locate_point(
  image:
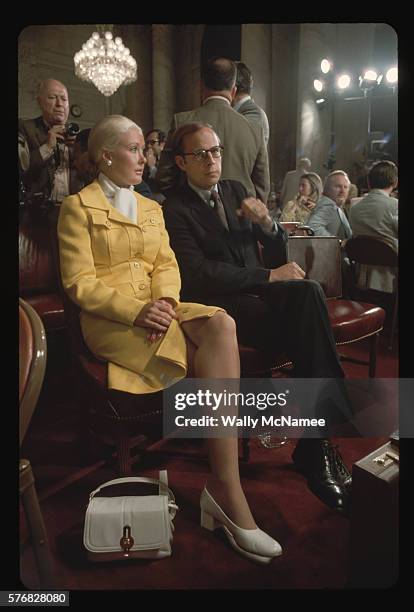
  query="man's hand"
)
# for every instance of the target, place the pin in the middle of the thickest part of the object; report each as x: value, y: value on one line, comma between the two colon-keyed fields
x: 290, y: 271
x: 310, y: 204
x: 157, y: 315
x: 57, y: 132
x: 257, y: 212
x: 151, y: 158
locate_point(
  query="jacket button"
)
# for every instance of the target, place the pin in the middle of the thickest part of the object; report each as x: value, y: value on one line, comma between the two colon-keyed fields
x: 108, y: 224
x: 152, y: 220
x: 141, y: 286
x: 137, y: 264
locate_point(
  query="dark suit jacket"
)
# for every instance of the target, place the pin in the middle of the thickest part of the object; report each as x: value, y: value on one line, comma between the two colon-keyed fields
x: 245, y: 155
x: 212, y: 260
x: 144, y: 189
x: 39, y: 176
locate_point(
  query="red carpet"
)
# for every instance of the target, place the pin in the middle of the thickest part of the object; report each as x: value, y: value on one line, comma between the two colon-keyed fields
x: 315, y: 539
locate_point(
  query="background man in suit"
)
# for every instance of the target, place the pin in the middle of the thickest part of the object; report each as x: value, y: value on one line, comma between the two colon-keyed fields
x: 214, y: 226
x: 328, y: 218
x: 376, y: 215
x: 154, y: 144
x: 48, y: 176
x: 245, y: 156
x: 243, y: 102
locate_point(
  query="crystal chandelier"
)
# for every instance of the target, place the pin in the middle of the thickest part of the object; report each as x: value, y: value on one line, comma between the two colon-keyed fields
x: 105, y: 63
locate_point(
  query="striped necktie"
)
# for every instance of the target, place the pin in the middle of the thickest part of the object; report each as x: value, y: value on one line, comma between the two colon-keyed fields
x: 219, y: 208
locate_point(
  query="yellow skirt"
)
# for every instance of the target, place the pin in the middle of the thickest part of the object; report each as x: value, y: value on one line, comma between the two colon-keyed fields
x: 134, y: 364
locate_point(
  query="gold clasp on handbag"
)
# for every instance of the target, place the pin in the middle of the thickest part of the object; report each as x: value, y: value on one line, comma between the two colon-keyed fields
x: 127, y: 541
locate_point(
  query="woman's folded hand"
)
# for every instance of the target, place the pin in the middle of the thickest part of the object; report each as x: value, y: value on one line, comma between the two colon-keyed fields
x: 156, y: 315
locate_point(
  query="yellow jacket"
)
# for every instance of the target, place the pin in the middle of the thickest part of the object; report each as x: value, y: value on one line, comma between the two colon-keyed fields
x: 111, y: 267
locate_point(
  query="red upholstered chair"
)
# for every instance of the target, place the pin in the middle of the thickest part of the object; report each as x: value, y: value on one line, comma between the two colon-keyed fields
x: 351, y: 321
x: 32, y: 363
x: 371, y: 251
x: 38, y: 284
x: 320, y: 257
x: 126, y: 420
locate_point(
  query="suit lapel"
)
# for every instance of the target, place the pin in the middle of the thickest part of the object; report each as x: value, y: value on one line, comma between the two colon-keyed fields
x: 93, y: 197
x: 201, y: 212
x: 208, y: 220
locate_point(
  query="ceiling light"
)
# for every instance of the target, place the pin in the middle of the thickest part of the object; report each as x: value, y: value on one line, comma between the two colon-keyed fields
x: 318, y: 85
x: 392, y: 75
x: 370, y: 75
x: 325, y: 66
x: 343, y: 81
x: 105, y: 63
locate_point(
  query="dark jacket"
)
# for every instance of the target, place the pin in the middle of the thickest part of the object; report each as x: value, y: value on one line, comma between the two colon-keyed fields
x: 212, y: 260
x: 39, y: 177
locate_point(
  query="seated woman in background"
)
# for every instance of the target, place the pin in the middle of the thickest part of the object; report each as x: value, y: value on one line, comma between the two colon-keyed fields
x: 299, y: 209
x: 117, y: 265
x: 351, y: 199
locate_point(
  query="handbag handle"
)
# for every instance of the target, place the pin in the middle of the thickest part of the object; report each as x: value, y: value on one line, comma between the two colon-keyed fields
x: 162, y: 486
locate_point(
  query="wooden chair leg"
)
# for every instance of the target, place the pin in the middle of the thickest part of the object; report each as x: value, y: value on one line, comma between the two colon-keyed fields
x: 373, y: 350
x: 36, y: 525
x: 123, y: 449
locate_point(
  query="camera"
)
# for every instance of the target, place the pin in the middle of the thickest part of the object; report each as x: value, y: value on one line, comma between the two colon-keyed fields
x: 72, y: 129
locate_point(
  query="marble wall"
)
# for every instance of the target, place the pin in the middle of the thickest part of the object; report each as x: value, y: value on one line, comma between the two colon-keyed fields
x: 163, y: 75
x: 256, y: 52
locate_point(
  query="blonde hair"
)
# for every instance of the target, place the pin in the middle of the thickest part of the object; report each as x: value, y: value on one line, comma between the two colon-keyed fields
x: 106, y: 133
x: 315, y: 183
x: 331, y: 175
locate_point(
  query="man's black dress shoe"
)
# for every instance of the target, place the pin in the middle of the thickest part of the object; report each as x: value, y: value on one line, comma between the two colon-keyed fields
x: 327, y: 475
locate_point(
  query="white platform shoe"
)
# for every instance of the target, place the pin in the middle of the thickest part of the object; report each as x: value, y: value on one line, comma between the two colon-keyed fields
x: 254, y: 544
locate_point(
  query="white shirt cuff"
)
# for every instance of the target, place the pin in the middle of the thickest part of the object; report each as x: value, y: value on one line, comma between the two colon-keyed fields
x: 45, y: 152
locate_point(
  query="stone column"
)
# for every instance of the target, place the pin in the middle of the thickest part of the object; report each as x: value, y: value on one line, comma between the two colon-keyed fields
x: 163, y: 75
x: 283, y: 116
x: 138, y: 95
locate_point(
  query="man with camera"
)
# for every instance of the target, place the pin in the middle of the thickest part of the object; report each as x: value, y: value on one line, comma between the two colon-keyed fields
x: 48, y: 140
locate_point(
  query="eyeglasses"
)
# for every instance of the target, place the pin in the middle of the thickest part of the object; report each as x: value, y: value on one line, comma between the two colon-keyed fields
x: 152, y: 142
x: 202, y: 154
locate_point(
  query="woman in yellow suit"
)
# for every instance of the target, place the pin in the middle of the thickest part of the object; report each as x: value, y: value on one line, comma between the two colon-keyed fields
x: 117, y: 265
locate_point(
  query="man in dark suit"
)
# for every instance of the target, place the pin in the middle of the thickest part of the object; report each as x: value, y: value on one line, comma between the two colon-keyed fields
x: 244, y: 104
x: 245, y: 159
x: 48, y: 176
x: 214, y: 226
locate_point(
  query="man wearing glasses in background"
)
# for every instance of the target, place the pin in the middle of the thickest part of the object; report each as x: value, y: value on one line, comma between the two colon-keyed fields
x: 214, y: 226
x: 154, y: 144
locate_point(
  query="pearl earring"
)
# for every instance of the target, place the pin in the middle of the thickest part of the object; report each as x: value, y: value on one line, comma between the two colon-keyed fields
x: 108, y: 162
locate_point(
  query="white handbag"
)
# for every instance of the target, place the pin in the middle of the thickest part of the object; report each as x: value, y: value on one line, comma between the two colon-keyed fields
x: 130, y: 526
